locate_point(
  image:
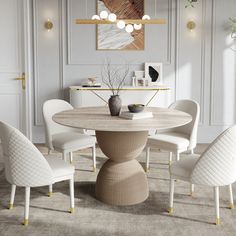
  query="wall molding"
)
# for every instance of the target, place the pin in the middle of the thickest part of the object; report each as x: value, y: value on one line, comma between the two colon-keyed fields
x: 36, y: 64
x: 212, y: 120
x: 61, y: 44
x: 35, y: 86
x: 202, y: 63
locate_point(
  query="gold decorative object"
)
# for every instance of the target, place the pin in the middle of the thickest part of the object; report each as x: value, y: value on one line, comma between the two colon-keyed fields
x: 48, y: 25
x: 23, y: 80
x: 191, y: 25
x: 127, y: 21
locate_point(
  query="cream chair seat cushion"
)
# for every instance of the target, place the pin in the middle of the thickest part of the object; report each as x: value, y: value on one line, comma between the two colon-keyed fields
x: 183, y: 169
x: 169, y: 141
x: 59, y: 167
x: 72, y: 140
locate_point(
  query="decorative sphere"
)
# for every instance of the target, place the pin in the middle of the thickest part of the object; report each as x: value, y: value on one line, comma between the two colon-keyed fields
x: 146, y: 17
x: 112, y: 17
x: 121, y: 24
x: 137, y: 26
x: 103, y: 15
x: 129, y: 28
x: 95, y: 17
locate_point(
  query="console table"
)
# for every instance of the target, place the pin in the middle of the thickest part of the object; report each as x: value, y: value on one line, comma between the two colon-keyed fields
x: 98, y: 96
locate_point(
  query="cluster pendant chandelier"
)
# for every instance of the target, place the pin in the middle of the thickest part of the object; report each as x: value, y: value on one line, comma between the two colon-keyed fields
x: 128, y: 24
x: 121, y: 24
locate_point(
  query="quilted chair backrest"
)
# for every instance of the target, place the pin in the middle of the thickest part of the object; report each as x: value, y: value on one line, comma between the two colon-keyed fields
x: 24, y: 164
x: 50, y: 108
x: 191, y: 107
x: 217, y: 165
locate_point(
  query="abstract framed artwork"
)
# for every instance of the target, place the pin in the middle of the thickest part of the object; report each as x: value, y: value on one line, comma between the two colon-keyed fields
x: 153, y: 73
x: 110, y: 37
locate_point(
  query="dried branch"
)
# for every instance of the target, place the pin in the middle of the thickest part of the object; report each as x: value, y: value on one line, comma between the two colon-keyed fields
x: 114, y: 76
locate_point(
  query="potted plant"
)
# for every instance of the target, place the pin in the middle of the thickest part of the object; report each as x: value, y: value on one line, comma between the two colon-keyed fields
x: 189, y: 3
x: 114, y: 77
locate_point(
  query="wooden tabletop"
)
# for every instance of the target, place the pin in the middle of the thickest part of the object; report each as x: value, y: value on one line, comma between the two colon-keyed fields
x: 98, y: 118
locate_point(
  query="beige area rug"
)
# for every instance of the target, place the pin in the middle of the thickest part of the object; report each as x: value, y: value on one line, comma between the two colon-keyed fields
x: 49, y: 216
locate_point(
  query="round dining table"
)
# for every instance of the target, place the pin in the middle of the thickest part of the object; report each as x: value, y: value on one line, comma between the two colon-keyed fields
x: 121, y: 180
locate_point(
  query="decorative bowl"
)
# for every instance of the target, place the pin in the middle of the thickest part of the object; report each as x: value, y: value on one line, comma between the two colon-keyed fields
x: 135, y: 108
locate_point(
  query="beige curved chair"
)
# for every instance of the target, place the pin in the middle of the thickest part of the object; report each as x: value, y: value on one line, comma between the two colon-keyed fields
x: 61, y: 138
x: 214, y: 168
x: 26, y: 167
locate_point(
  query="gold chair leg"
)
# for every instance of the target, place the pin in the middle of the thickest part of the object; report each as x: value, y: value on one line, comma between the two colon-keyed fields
x: 147, y: 169
x: 72, y: 210
x: 217, y: 221
x: 26, y: 222
x: 171, y: 210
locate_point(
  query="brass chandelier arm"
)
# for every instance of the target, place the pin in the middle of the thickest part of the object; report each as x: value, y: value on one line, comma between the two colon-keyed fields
x: 127, y: 21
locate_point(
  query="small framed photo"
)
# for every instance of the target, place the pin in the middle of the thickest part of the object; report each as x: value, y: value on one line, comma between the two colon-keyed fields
x: 139, y: 78
x: 139, y: 74
x: 153, y: 73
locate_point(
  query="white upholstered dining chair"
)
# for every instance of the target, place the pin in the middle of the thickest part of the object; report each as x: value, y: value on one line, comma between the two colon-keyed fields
x: 26, y: 167
x: 214, y: 168
x: 180, y: 139
x: 65, y: 139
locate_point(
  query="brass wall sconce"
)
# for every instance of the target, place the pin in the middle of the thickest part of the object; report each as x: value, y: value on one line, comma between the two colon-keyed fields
x: 191, y: 25
x: 48, y: 25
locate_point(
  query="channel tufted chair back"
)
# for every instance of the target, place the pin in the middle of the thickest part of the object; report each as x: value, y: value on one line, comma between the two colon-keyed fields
x: 24, y: 164
x: 217, y: 165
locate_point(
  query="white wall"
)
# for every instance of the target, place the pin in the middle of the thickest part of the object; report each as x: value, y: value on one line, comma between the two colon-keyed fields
x: 198, y: 65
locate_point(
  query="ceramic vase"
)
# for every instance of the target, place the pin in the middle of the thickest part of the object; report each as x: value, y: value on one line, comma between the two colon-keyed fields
x: 115, y: 104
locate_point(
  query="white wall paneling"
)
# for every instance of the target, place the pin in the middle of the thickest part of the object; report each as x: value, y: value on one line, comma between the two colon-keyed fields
x: 47, y: 55
x: 190, y: 54
x: 223, y: 70
x: 198, y: 65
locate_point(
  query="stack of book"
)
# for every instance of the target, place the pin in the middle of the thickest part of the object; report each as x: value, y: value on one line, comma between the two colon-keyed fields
x: 91, y: 85
x: 136, y: 116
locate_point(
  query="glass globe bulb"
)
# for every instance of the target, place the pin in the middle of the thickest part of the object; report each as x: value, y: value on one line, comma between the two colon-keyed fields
x: 112, y: 17
x: 103, y: 15
x: 129, y: 28
x: 137, y: 26
x: 95, y: 17
x: 146, y: 17
x: 121, y: 24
